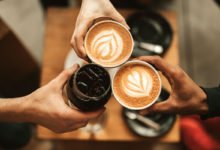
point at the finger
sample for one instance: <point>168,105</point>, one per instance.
<point>78,125</point>
<point>170,71</point>
<point>73,44</point>
<point>160,107</point>
<point>75,126</point>
<point>119,18</point>
<point>88,115</point>
<point>62,78</point>
<point>77,44</point>
<point>79,36</point>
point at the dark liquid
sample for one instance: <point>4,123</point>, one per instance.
<point>90,88</point>
<point>93,81</point>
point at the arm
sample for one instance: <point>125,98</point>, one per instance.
<point>90,10</point>
<point>13,110</point>
<point>46,107</point>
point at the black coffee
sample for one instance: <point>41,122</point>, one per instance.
<point>89,88</point>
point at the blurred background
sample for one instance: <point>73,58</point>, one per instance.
<point>22,25</point>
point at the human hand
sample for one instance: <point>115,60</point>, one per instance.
<point>186,96</point>
<point>46,106</point>
<point>89,11</point>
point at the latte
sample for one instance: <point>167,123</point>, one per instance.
<point>136,85</point>
<point>108,43</point>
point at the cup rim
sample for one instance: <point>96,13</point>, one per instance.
<point>92,97</point>
<point>142,107</point>
<point>109,66</point>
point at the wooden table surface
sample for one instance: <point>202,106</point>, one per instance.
<point>59,28</point>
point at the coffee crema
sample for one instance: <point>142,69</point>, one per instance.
<point>136,85</point>
<point>108,43</point>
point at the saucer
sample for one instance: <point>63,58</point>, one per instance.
<point>150,27</point>
<point>72,58</point>
<point>166,121</point>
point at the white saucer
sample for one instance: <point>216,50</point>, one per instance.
<point>72,58</point>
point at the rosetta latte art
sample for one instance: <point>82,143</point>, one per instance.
<point>107,46</point>
<point>137,83</point>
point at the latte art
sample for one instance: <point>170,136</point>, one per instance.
<point>137,83</point>
<point>107,46</point>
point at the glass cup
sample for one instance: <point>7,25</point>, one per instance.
<point>89,89</point>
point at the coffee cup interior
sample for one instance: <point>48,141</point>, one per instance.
<point>114,83</point>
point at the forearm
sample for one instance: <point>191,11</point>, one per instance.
<point>13,109</point>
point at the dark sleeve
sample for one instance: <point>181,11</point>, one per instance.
<point>218,2</point>
<point>213,101</point>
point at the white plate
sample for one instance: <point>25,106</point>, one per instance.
<point>72,58</point>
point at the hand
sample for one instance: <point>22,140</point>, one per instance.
<point>186,96</point>
<point>46,106</point>
<point>90,10</point>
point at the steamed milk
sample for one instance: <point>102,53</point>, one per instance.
<point>108,44</point>
<point>136,85</point>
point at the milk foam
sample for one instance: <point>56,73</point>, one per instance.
<point>107,46</point>
<point>137,83</point>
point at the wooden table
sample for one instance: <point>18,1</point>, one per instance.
<point>59,28</point>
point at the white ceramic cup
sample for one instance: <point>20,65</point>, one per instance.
<point>121,101</point>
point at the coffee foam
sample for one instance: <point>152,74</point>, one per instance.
<point>137,82</point>
<point>136,85</point>
<point>108,44</point>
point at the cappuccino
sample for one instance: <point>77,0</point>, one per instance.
<point>136,85</point>
<point>108,43</point>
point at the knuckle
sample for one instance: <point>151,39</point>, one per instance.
<point>157,59</point>
<point>72,43</point>
<point>121,20</point>
<point>174,106</point>
<point>84,124</point>
<point>76,37</point>
<point>177,72</point>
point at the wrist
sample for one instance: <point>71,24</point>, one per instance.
<point>29,108</point>
<point>203,102</point>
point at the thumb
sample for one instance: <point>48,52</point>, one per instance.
<point>62,78</point>
<point>160,107</point>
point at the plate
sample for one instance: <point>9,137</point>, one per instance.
<point>166,121</point>
<point>72,58</point>
<point>150,27</point>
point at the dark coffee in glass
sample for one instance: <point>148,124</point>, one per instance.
<point>89,88</point>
